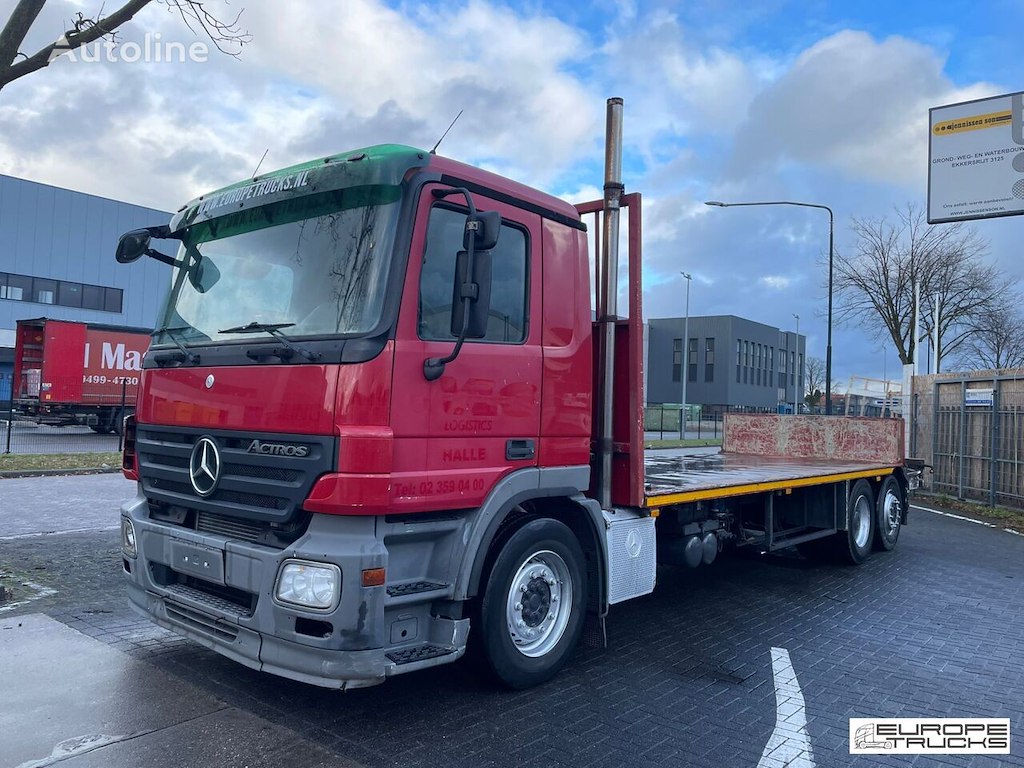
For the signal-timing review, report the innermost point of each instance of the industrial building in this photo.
(57, 261)
(731, 364)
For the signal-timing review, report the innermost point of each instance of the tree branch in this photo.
(17, 27)
(76, 38)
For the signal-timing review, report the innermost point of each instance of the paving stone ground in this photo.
(935, 628)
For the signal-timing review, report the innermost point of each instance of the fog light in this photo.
(128, 538)
(311, 585)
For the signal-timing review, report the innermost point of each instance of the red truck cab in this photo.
(287, 428)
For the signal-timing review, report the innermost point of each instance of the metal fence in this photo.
(25, 428)
(661, 422)
(970, 430)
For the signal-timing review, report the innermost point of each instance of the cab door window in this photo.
(507, 319)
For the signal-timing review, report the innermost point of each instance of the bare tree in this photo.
(814, 376)
(997, 341)
(227, 36)
(874, 285)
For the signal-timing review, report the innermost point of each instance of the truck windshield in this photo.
(319, 264)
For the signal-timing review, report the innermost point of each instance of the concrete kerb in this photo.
(13, 473)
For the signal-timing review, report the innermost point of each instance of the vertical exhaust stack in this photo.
(607, 291)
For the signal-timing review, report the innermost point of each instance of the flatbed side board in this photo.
(751, 488)
(876, 441)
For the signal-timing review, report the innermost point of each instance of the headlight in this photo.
(128, 538)
(311, 585)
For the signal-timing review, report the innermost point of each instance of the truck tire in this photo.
(888, 515)
(534, 603)
(854, 544)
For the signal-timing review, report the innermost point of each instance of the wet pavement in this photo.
(72, 700)
(933, 629)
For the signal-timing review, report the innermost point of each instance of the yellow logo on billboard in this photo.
(976, 123)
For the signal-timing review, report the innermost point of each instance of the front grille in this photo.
(251, 486)
(230, 527)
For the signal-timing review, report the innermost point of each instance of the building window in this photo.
(792, 368)
(92, 297)
(709, 360)
(112, 299)
(677, 359)
(69, 294)
(44, 291)
(691, 360)
(60, 292)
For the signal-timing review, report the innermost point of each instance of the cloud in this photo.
(674, 88)
(311, 83)
(852, 103)
(775, 282)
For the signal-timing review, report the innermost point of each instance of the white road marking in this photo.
(58, 533)
(965, 519)
(40, 592)
(789, 746)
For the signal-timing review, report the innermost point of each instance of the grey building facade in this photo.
(731, 363)
(57, 261)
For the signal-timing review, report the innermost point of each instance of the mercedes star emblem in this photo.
(209, 381)
(204, 466)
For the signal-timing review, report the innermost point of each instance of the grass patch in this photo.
(1000, 516)
(19, 462)
(682, 443)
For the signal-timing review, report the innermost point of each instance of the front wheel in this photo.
(533, 606)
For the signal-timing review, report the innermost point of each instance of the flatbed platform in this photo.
(678, 479)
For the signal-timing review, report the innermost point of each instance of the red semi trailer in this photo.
(378, 424)
(77, 373)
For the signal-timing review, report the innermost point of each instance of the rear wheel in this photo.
(888, 515)
(533, 606)
(854, 544)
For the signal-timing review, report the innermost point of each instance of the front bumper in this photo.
(230, 608)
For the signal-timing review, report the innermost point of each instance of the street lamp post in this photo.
(796, 374)
(684, 351)
(831, 250)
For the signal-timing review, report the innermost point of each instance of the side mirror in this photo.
(132, 246)
(203, 275)
(477, 287)
(484, 227)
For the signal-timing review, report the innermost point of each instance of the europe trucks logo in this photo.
(265, 187)
(936, 736)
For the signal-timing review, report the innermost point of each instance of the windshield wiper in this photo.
(274, 329)
(188, 356)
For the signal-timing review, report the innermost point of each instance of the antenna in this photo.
(434, 150)
(264, 158)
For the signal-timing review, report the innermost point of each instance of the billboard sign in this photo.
(976, 159)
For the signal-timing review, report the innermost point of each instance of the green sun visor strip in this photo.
(293, 209)
(365, 173)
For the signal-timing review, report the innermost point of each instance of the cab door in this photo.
(454, 437)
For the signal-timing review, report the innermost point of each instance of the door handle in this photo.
(517, 450)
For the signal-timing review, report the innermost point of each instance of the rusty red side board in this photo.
(878, 441)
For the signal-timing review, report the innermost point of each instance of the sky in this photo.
(818, 102)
